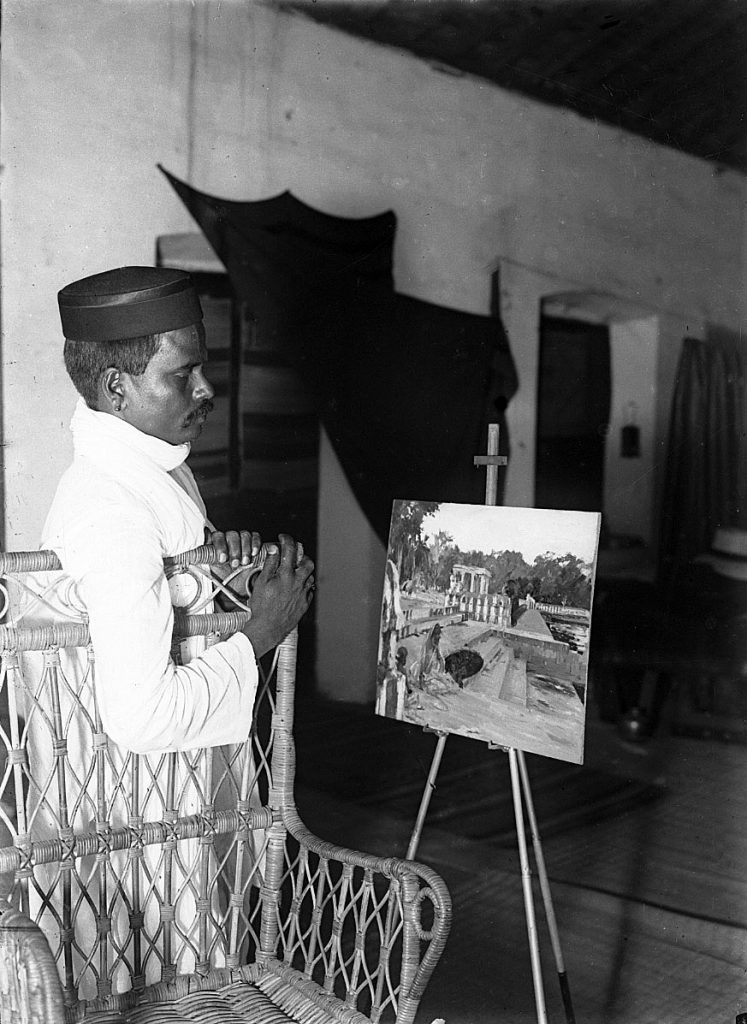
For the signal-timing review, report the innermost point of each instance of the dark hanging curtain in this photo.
(407, 391)
(705, 478)
(405, 388)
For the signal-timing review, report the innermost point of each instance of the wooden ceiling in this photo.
(673, 71)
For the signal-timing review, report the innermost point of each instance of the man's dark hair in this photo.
(85, 361)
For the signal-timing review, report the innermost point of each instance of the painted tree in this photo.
(564, 580)
(406, 542)
(443, 556)
(506, 565)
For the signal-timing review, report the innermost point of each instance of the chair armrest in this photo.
(371, 929)
(29, 984)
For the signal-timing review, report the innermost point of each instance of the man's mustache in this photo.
(206, 407)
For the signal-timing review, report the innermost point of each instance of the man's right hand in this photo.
(280, 597)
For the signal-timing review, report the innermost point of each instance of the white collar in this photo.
(95, 434)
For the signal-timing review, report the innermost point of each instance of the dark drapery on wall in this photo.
(408, 389)
(704, 484)
(405, 388)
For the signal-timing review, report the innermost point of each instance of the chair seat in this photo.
(237, 1003)
(280, 995)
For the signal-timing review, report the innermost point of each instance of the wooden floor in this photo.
(650, 889)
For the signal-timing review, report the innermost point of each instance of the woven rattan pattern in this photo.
(181, 886)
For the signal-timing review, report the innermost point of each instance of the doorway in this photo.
(573, 413)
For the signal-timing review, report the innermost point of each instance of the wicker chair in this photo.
(180, 887)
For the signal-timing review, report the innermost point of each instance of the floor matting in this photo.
(645, 849)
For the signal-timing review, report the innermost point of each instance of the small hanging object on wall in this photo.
(630, 435)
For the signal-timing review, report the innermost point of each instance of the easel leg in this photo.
(552, 923)
(430, 785)
(526, 879)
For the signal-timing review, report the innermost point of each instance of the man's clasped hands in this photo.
(280, 593)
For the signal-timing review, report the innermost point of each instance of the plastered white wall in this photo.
(244, 101)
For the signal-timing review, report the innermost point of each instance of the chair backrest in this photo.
(138, 868)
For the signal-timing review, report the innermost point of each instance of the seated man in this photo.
(135, 350)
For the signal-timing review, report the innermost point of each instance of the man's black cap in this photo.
(127, 303)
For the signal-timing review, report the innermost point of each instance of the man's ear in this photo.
(112, 389)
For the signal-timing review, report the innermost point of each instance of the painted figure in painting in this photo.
(429, 671)
(511, 592)
(391, 682)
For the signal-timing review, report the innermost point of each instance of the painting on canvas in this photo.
(485, 623)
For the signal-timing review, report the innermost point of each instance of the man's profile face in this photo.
(171, 399)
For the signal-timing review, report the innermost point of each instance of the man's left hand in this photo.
(236, 548)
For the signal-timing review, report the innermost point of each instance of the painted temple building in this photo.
(469, 579)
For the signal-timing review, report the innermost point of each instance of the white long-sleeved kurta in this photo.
(126, 502)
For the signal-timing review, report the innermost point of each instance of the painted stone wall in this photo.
(244, 102)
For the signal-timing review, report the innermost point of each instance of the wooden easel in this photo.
(519, 784)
